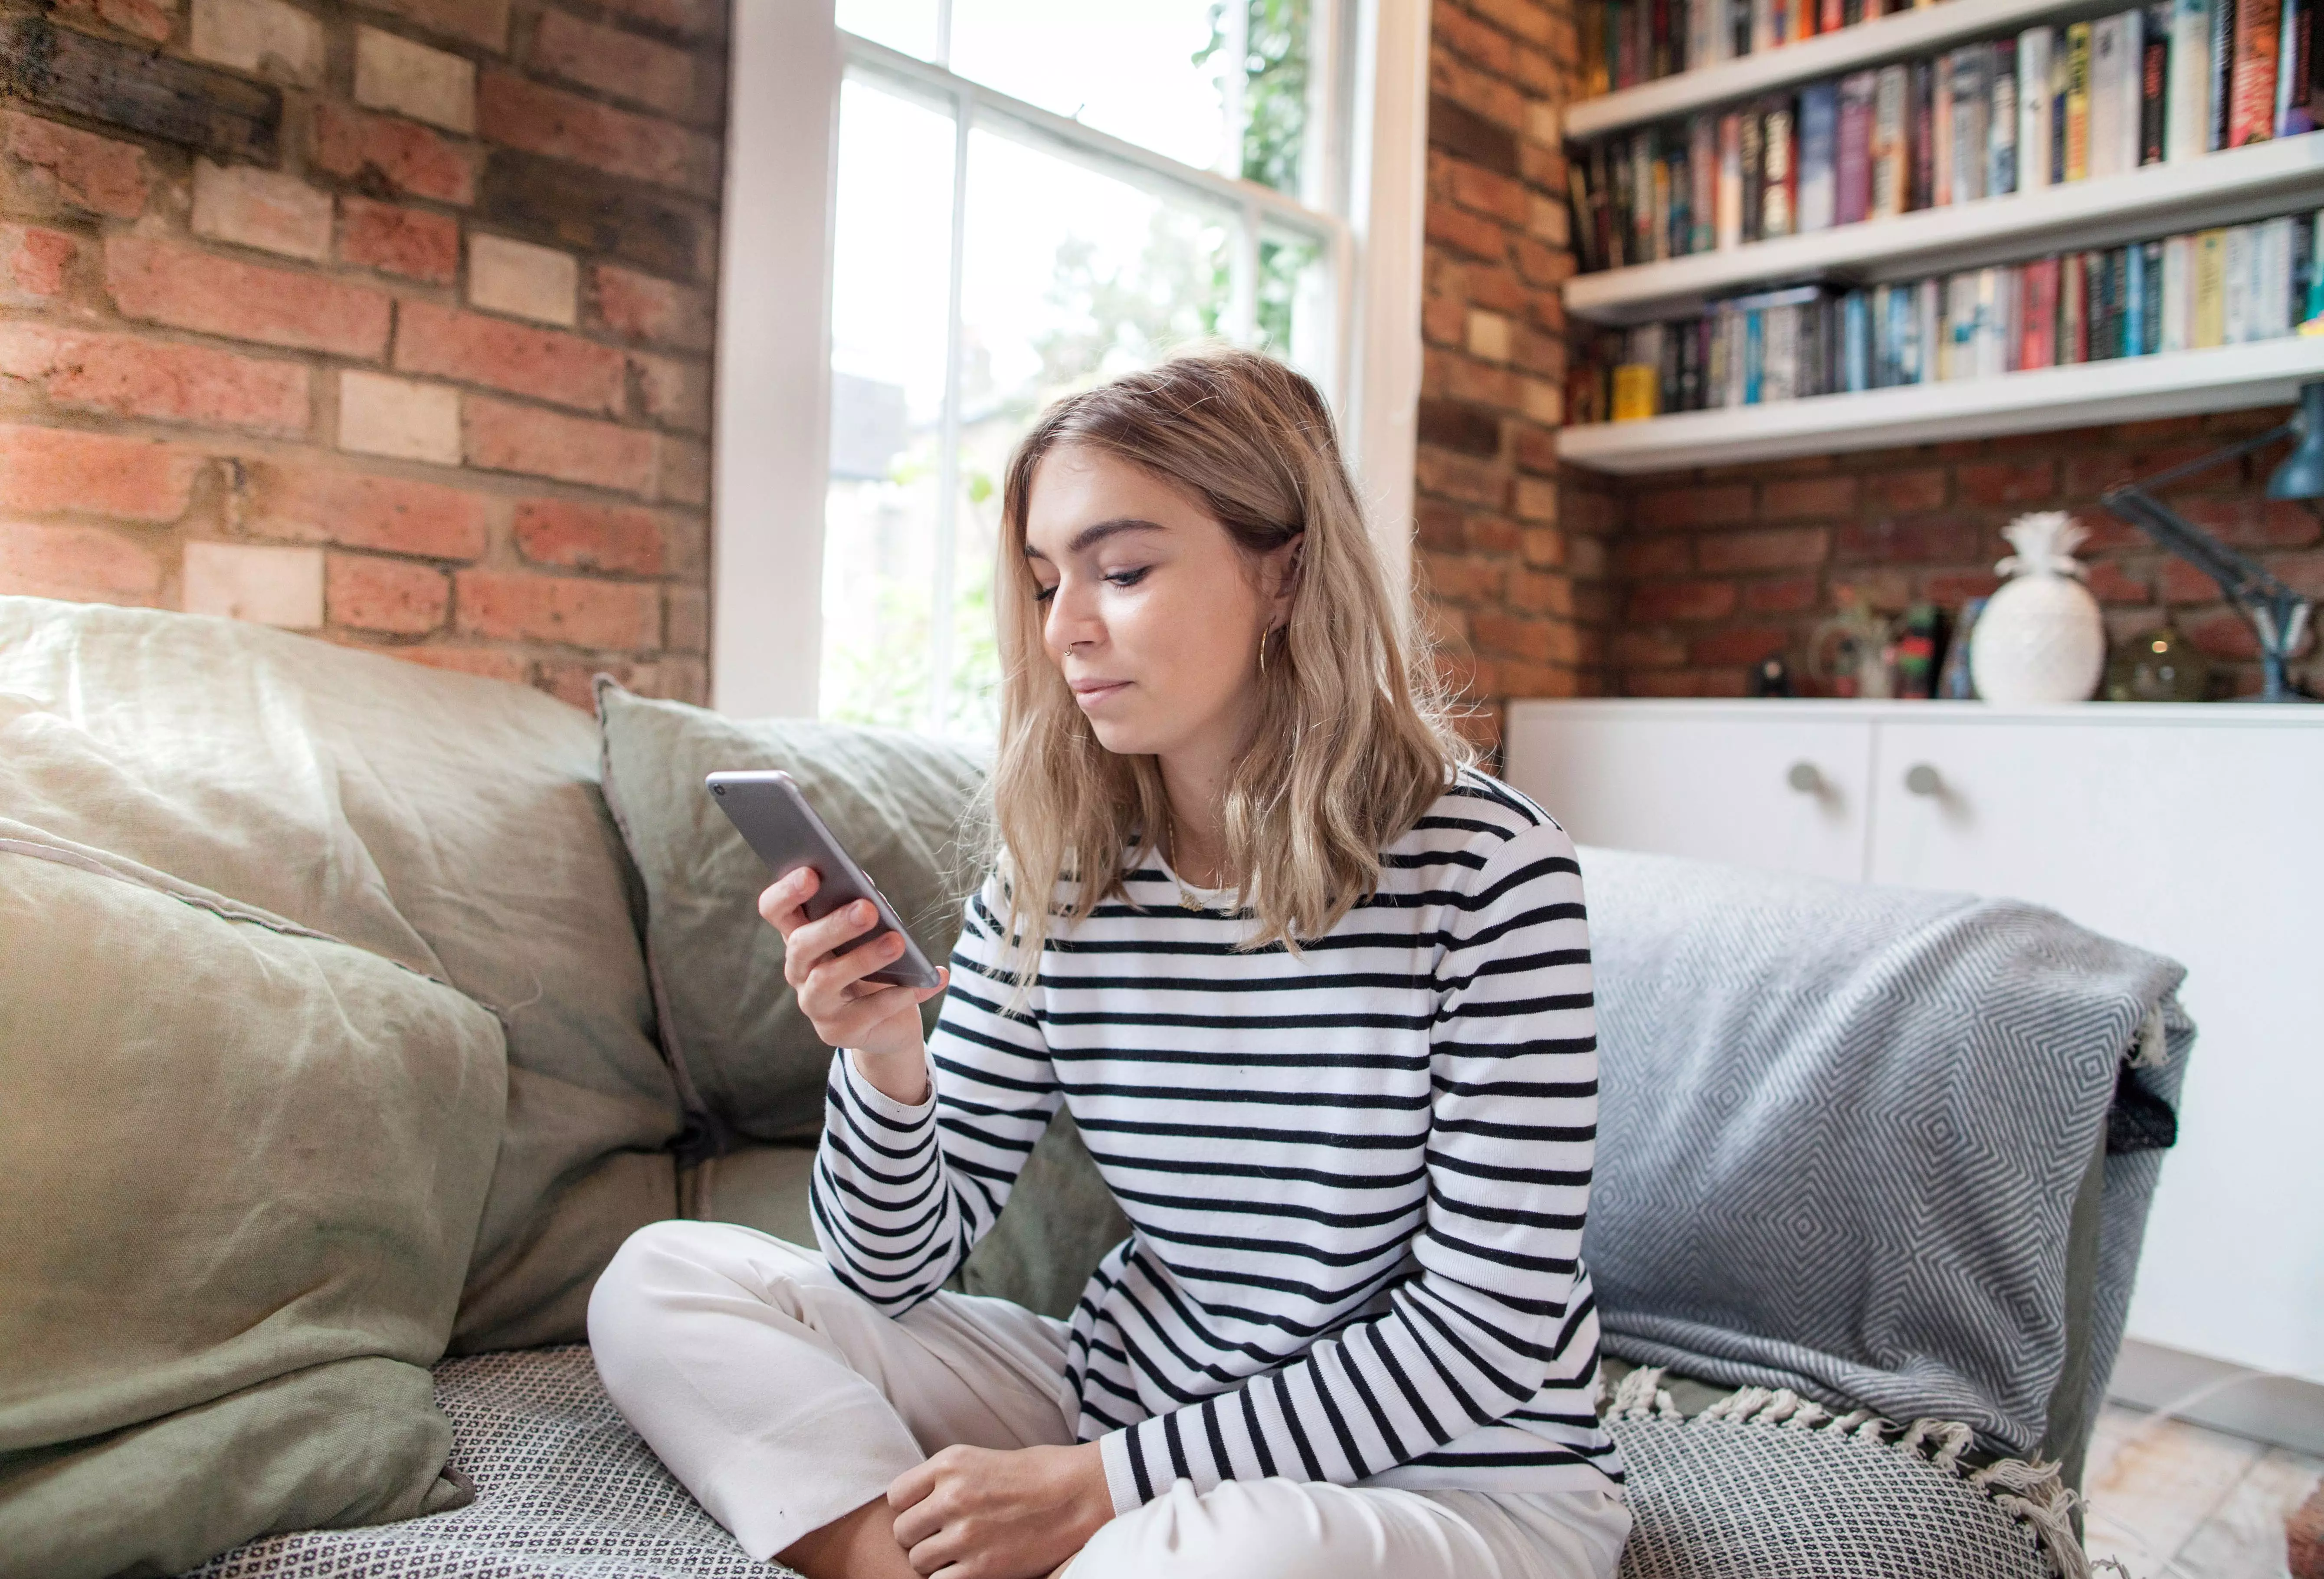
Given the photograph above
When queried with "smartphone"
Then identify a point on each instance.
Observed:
(775, 820)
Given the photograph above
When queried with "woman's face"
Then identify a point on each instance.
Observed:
(1147, 607)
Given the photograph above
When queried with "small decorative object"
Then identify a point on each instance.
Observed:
(2041, 638)
(1953, 685)
(1916, 651)
(1771, 677)
(2157, 666)
(1848, 654)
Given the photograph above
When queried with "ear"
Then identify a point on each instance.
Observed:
(1285, 564)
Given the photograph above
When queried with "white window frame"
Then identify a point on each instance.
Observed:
(773, 387)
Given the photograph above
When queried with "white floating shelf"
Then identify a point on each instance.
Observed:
(2130, 388)
(2225, 188)
(1867, 44)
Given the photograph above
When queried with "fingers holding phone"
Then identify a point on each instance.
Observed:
(828, 975)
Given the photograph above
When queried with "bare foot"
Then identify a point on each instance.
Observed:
(860, 1544)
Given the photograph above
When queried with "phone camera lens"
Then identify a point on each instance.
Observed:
(718, 788)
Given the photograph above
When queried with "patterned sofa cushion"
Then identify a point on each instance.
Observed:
(1759, 1486)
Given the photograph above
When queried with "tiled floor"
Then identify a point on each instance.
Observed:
(2171, 1500)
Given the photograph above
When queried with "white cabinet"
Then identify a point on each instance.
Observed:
(2196, 832)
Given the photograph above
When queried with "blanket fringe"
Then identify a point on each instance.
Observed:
(2033, 1492)
(2153, 1047)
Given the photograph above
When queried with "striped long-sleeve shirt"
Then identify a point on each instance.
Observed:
(1356, 1174)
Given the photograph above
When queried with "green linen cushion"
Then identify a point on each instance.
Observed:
(246, 1169)
(748, 1061)
(449, 824)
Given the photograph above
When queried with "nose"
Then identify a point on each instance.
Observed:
(1072, 619)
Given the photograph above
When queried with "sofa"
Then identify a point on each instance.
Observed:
(351, 1014)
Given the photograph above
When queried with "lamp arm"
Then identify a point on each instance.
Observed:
(2245, 581)
(2204, 463)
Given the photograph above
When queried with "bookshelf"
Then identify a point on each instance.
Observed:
(2227, 187)
(2124, 390)
(1872, 42)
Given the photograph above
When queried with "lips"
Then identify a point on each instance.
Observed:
(1086, 691)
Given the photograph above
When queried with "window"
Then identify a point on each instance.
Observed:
(1020, 198)
(1033, 196)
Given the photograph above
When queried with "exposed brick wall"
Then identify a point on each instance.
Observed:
(387, 321)
(1715, 571)
(1510, 557)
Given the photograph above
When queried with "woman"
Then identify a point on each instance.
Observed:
(1318, 994)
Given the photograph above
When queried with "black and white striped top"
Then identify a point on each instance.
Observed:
(1357, 1175)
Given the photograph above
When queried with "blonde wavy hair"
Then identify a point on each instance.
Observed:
(1352, 741)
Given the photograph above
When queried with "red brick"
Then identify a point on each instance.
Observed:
(32, 262)
(125, 375)
(90, 171)
(1480, 382)
(505, 437)
(1994, 483)
(1453, 27)
(403, 156)
(1775, 548)
(1654, 602)
(1536, 594)
(394, 596)
(547, 364)
(622, 65)
(144, 18)
(1460, 578)
(702, 19)
(1496, 289)
(1460, 477)
(484, 663)
(2224, 633)
(52, 468)
(1494, 196)
(1782, 594)
(312, 503)
(1907, 490)
(1511, 635)
(1937, 540)
(1952, 590)
(1647, 650)
(672, 393)
(563, 125)
(681, 470)
(2179, 582)
(1654, 556)
(642, 307)
(589, 537)
(519, 605)
(409, 241)
(1443, 319)
(1745, 646)
(189, 290)
(1668, 509)
(82, 563)
(483, 23)
(1807, 498)
(1529, 19)
(2110, 583)
(1439, 525)
(1491, 534)
(1479, 238)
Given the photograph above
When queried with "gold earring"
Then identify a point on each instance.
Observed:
(1263, 635)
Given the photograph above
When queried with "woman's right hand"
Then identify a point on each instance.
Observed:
(881, 1022)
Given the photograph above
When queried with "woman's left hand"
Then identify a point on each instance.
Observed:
(987, 1513)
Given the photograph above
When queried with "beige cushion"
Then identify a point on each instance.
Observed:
(449, 824)
(246, 1167)
(729, 1022)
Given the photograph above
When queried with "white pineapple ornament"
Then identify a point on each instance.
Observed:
(2041, 638)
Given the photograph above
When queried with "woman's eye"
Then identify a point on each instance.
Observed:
(1044, 593)
(1127, 578)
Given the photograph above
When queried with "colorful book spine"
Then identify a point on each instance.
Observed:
(1920, 135)
(1940, 133)
(2251, 88)
(1702, 182)
(2222, 56)
(2186, 107)
(2038, 334)
(1764, 14)
(1819, 177)
(1891, 152)
(1779, 194)
(2073, 308)
(2150, 315)
(2210, 311)
(2109, 115)
(1830, 16)
(2078, 101)
(2178, 327)
(2001, 123)
(1728, 197)
(1972, 92)
(2033, 109)
(2154, 91)
(1852, 158)
(1755, 174)
(2239, 278)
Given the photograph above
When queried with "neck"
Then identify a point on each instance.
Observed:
(1195, 777)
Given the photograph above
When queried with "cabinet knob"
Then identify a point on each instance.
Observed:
(1923, 779)
(1803, 777)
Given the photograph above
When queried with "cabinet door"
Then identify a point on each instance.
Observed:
(2201, 842)
(1717, 789)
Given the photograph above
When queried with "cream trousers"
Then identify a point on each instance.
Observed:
(782, 1401)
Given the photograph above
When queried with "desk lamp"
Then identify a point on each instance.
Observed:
(2279, 614)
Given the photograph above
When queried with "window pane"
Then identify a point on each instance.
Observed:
(1151, 72)
(909, 26)
(1072, 277)
(890, 246)
(1277, 93)
(1294, 303)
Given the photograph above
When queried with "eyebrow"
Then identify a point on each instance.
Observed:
(1089, 536)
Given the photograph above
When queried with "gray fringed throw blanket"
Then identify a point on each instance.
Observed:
(1844, 1130)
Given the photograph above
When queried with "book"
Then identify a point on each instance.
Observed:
(1928, 315)
(1728, 200)
(2134, 301)
(2238, 278)
(1779, 194)
(1940, 132)
(2078, 101)
(1656, 178)
(2187, 107)
(2250, 87)
(1819, 176)
(1595, 78)
(2112, 121)
(2307, 275)
(1754, 172)
(2001, 122)
(2073, 308)
(2222, 56)
(1890, 146)
(1852, 157)
(1764, 35)
(2271, 309)
(2209, 321)
(1587, 257)
(1636, 391)
(1855, 343)
(1830, 16)
(1972, 98)
(1703, 181)
(2150, 341)
(2061, 68)
(2038, 322)
(2034, 109)
(2178, 314)
(1644, 208)
(1920, 134)
(1658, 38)
(2153, 87)
(2290, 63)
(1705, 32)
